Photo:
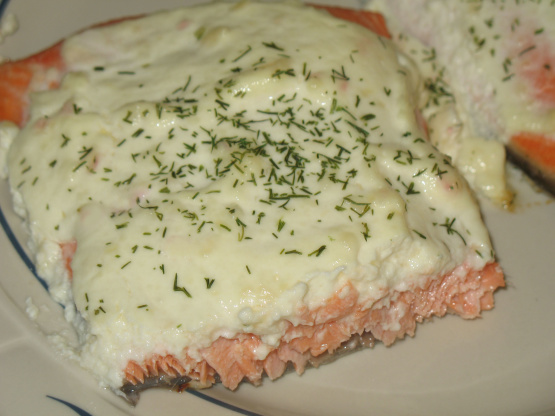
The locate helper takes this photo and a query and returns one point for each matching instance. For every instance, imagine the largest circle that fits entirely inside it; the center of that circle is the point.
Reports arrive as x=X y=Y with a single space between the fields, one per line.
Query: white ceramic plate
x=503 y=364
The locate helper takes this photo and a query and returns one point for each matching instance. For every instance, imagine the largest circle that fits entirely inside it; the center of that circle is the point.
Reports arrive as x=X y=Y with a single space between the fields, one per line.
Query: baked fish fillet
x=218 y=193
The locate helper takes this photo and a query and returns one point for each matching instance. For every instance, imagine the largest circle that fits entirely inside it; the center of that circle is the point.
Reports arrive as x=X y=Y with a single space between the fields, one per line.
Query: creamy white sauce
x=223 y=167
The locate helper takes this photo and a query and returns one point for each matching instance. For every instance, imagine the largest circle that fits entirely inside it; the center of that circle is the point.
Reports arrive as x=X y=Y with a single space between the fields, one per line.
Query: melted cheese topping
x=223 y=167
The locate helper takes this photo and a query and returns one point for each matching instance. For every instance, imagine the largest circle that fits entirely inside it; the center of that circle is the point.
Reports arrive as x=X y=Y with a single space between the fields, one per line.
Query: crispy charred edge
x=542 y=173
x=344 y=325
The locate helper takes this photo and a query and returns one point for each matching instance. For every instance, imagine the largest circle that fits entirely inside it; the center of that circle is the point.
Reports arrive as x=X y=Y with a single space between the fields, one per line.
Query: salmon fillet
x=318 y=329
x=325 y=329
x=495 y=63
x=45 y=69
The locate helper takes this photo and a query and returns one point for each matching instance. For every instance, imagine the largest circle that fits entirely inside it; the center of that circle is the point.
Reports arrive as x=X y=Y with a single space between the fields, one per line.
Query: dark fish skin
x=544 y=178
x=355 y=343
x=132 y=392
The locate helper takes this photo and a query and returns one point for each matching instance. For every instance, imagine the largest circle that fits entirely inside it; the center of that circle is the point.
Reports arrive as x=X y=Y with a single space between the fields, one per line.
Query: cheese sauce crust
x=210 y=172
